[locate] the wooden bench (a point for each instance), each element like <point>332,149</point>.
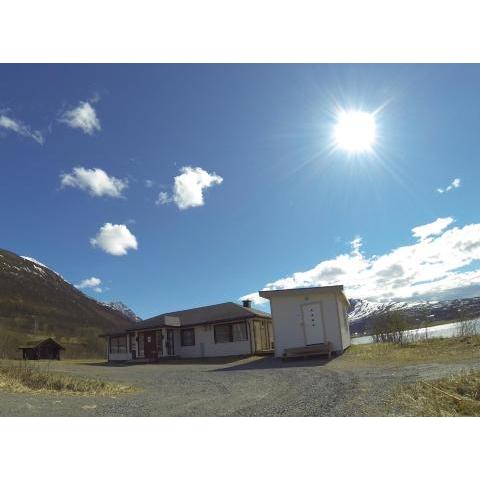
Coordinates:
<point>309,351</point>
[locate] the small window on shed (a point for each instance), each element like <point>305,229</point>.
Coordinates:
<point>187,337</point>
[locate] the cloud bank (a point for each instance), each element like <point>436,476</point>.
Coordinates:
<point>96,181</point>
<point>115,239</point>
<point>189,187</point>
<point>442,263</point>
<point>20,128</point>
<point>83,117</point>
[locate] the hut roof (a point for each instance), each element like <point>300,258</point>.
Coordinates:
<point>39,343</point>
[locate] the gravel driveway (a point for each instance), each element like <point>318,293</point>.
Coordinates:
<point>239,387</point>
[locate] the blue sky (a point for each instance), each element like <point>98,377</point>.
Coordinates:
<point>265,197</point>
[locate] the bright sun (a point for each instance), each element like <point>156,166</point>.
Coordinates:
<point>355,131</point>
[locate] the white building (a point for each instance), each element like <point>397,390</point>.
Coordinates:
<point>309,316</point>
<point>212,331</point>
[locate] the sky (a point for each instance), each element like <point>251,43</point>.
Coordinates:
<point>174,186</point>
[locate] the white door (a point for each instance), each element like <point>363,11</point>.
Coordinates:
<point>313,323</point>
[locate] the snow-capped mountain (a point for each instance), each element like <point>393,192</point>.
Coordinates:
<point>363,312</point>
<point>121,307</point>
<point>40,297</point>
<point>35,267</point>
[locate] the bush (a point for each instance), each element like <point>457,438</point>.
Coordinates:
<point>9,342</point>
<point>390,328</point>
<point>466,327</point>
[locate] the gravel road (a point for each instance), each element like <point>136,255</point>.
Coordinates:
<point>238,387</point>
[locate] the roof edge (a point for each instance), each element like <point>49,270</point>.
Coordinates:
<point>328,288</point>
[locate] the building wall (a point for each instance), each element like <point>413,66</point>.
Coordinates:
<point>263,334</point>
<point>344,324</point>
<point>116,357</point>
<point>288,325</point>
<point>205,345</point>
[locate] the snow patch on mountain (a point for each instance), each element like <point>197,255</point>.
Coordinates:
<point>361,310</point>
<point>121,307</point>
<point>39,266</point>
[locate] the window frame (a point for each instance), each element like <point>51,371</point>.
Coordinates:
<point>182,341</point>
<point>116,346</point>
<point>230,333</point>
<point>133,342</point>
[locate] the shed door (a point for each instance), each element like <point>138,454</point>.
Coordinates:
<point>313,323</point>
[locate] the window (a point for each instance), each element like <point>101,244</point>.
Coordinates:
<point>234,332</point>
<point>159,342</point>
<point>187,337</point>
<point>118,344</point>
<point>239,332</point>
<point>223,333</point>
<point>132,345</point>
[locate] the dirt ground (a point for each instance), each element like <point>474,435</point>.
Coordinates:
<point>258,386</point>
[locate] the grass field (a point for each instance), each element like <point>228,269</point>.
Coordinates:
<point>36,377</point>
<point>457,395</point>
<point>433,350</point>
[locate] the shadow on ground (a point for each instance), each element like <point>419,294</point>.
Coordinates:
<point>265,363</point>
<point>226,364</point>
<point>220,361</point>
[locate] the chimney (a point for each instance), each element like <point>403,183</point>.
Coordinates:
<point>247,303</point>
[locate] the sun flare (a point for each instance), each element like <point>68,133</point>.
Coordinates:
<point>355,131</point>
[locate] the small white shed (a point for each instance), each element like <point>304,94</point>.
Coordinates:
<point>309,316</point>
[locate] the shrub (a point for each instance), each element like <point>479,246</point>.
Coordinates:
<point>390,328</point>
<point>466,327</point>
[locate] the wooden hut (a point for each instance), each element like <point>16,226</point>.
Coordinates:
<point>47,349</point>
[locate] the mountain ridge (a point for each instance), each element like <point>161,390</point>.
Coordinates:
<point>363,313</point>
<point>36,302</point>
<point>125,309</point>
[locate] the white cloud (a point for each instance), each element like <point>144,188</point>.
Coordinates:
<point>18,127</point>
<point>93,283</point>
<point>115,239</point>
<point>430,229</point>
<point>149,183</point>
<point>441,263</point>
<point>189,186</point>
<point>83,117</point>
<point>163,198</point>
<point>456,182</point>
<point>95,181</point>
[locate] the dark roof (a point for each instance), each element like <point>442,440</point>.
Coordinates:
<point>38,343</point>
<point>210,314</point>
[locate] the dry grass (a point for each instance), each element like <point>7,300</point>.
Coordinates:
<point>433,350</point>
<point>33,377</point>
<point>458,395</point>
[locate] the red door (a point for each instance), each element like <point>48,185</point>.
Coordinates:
<point>150,345</point>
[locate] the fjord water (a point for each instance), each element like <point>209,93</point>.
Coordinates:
<point>438,331</point>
